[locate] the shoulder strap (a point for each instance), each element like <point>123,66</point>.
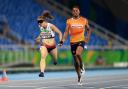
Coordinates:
<point>48,26</point>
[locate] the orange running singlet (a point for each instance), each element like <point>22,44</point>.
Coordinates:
<point>76,29</point>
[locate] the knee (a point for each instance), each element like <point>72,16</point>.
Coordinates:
<point>78,53</point>
<point>42,57</point>
<point>42,60</point>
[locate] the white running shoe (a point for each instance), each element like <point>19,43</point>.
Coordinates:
<point>80,84</point>
<point>80,80</point>
<point>82,70</point>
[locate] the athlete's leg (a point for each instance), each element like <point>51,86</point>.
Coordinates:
<point>79,51</point>
<point>54,55</point>
<point>77,67</point>
<point>44,54</point>
<point>76,60</point>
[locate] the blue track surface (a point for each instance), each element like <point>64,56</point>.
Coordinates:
<point>66,74</point>
<point>93,79</point>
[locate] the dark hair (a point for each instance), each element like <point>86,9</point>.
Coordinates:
<point>76,7</point>
<point>45,15</point>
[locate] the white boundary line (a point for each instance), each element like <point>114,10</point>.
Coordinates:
<point>22,86</point>
<point>53,80</point>
<point>101,81</point>
<point>71,80</point>
<point>85,83</point>
<point>125,85</point>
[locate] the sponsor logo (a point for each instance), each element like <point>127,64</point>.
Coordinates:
<point>77,26</point>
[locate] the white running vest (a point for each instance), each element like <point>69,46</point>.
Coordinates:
<point>46,33</point>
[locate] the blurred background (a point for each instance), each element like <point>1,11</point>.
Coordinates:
<point>108,46</point>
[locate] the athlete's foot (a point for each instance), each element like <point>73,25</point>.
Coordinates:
<point>41,74</point>
<point>79,83</point>
<point>79,80</point>
<point>55,63</point>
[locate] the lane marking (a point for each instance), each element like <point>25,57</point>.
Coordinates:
<point>85,83</point>
<point>55,81</point>
<point>55,87</point>
<point>90,78</point>
<point>22,86</point>
<point>3,85</point>
<point>125,87</point>
<point>71,79</point>
<point>117,86</point>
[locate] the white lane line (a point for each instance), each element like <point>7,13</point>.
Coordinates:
<point>63,80</point>
<point>102,81</point>
<point>62,87</point>
<point>44,82</point>
<point>101,88</point>
<point>53,79</point>
<point>90,87</point>
<point>41,88</point>
<point>49,87</point>
<point>125,87</point>
<point>3,85</point>
<point>59,87</point>
<point>41,81</point>
<point>73,84</point>
<point>86,83</point>
<point>22,86</point>
<point>117,86</point>
<point>105,81</point>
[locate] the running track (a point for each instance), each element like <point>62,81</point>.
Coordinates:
<point>112,80</point>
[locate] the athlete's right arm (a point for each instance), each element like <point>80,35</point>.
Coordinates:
<point>65,33</point>
<point>87,38</point>
<point>37,40</point>
<point>64,36</point>
<point>55,29</point>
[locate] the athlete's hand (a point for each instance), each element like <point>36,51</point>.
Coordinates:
<point>60,43</point>
<point>37,41</point>
<point>87,39</point>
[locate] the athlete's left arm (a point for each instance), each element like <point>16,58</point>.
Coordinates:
<point>37,40</point>
<point>55,29</point>
<point>87,38</point>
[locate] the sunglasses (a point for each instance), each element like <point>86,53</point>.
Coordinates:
<point>40,21</point>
